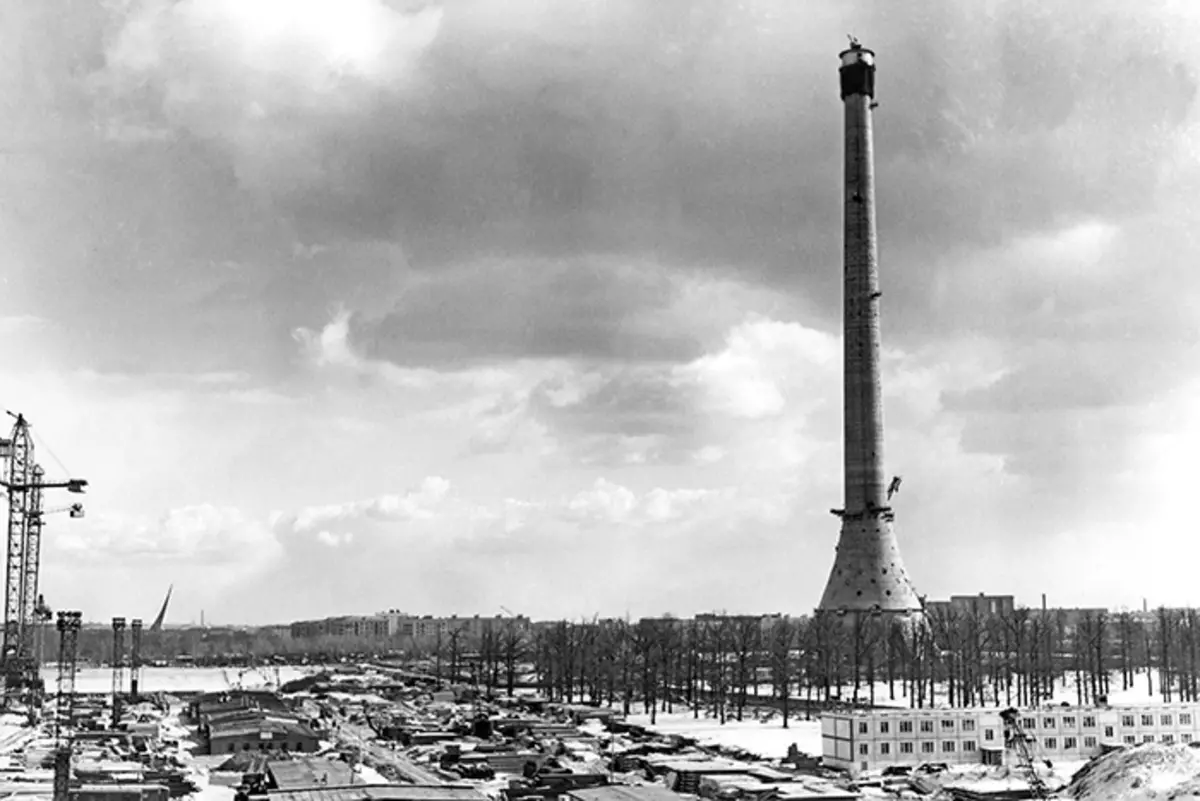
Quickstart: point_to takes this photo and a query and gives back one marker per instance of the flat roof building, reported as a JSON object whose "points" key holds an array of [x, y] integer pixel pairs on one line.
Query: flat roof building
{"points": [[867, 740]]}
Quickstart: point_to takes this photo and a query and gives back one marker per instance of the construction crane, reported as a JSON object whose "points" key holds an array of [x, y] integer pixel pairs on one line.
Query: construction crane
{"points": [[118, 667], [135, 658], [25, 482], [69, 624], [1016, 738]]}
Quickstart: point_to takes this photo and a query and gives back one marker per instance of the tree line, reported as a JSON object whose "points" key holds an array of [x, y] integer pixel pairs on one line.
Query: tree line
{"points": [[726, 664], [960, 658]]}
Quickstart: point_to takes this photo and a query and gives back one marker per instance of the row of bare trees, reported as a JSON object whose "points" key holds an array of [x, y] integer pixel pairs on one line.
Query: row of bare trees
{"points": [[723, 665]]}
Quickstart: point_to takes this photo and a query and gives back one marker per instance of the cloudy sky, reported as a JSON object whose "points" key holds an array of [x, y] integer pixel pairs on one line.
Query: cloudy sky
{"points": [[344, 305]]}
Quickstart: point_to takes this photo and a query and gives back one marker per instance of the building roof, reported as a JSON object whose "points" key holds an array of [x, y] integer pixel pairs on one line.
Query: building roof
{"points": [[618, 792], [250, 728], [703, 766], [381, 792], [300, 774]]}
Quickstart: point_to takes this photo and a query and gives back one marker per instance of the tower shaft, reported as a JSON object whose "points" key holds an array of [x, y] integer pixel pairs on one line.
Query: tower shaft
{"points": [[862, 387], [868, 575]]}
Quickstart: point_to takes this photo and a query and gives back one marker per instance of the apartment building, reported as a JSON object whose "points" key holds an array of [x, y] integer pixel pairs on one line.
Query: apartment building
{"points": [[863, 740]]}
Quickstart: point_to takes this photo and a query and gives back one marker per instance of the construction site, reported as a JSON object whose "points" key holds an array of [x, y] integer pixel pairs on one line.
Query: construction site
{"points": [[411, 730]]}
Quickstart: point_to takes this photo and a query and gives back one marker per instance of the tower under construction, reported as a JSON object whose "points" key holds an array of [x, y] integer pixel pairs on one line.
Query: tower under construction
{"points": [[868, 575]]}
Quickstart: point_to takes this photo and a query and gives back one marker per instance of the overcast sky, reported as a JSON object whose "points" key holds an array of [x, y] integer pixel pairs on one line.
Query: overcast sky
{"points": [[345, 305]]}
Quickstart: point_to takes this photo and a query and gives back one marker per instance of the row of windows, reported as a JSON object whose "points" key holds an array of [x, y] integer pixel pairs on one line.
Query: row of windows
{"points": [[948, 747], [1048, 724], [1185, 719], [906, 726], [268, 745]]}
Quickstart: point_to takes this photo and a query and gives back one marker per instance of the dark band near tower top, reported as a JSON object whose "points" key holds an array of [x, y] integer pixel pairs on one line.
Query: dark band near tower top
{"points": [[858, 70]]}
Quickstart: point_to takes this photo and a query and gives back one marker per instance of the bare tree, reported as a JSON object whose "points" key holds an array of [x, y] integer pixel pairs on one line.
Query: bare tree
{"points": [[782, 645]]}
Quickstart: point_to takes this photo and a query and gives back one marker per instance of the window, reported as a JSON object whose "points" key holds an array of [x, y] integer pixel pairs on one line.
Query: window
{"points": [[1147, 720], [864, 749], [1168, 738], [1108, 731], [1047, 723], [926, 726], [1069, 743], [1130, 739], [1051, 743], [989, 734], [1127, 721], [947, 725], [906, 748], [906, 727], [1185, 718], [926, 748], [1186, 737], [1028, 723], [883, 727], [885, 748], [1069, 722], [1089, 722], [1147, 738], [1089, 742], [968, 725], [947, 746], [1166, 720], [969, 745], [864, 728]]}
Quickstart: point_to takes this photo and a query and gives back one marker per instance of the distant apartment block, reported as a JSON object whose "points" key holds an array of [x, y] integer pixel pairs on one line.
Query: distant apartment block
{"points": [[401, 627], [979, 606]]}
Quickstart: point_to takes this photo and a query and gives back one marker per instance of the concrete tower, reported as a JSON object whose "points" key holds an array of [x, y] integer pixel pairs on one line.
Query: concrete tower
{"points": [[868, 575]]}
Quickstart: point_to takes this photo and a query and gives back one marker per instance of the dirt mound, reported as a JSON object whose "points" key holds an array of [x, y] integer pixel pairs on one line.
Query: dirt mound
{"points": [[1139, 773]]}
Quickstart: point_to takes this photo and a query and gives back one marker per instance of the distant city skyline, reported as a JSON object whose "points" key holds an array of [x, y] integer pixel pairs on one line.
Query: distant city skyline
{"points": [[339, 305]]}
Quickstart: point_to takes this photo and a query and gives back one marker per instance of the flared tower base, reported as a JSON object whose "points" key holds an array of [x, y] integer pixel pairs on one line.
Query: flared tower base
{"points": [[868, 575]]}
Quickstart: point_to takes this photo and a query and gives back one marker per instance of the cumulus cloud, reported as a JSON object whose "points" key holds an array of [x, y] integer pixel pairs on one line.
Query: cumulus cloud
{"points": [[419, 504], [222, 538], [603, 237]]}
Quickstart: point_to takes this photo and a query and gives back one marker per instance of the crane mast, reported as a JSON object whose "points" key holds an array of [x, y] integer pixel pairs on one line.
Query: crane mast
{"points": [[19, 477], [24, 607], [69, 624], [1019, 740], [118, 667]]}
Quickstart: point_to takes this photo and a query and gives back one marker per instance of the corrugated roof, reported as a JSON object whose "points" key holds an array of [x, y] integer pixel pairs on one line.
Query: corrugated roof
{"points": [[618, 792], [381, 792]]}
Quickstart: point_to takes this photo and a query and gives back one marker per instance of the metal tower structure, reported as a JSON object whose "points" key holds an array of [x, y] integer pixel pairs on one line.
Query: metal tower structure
{"points": [[24, 607], [135, 658], [69, 624], [118, 667]]}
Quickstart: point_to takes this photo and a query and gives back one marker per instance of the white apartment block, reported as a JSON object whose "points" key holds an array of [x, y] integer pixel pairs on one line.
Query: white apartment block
{"points": [[868, 740]]}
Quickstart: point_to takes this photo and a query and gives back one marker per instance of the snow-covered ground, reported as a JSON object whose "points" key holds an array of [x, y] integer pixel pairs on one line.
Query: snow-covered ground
{"points": [[176, 679], [767, 739]]}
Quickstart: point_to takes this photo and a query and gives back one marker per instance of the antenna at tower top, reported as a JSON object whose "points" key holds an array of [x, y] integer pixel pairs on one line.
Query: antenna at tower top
{"points": [[854, 43]]}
